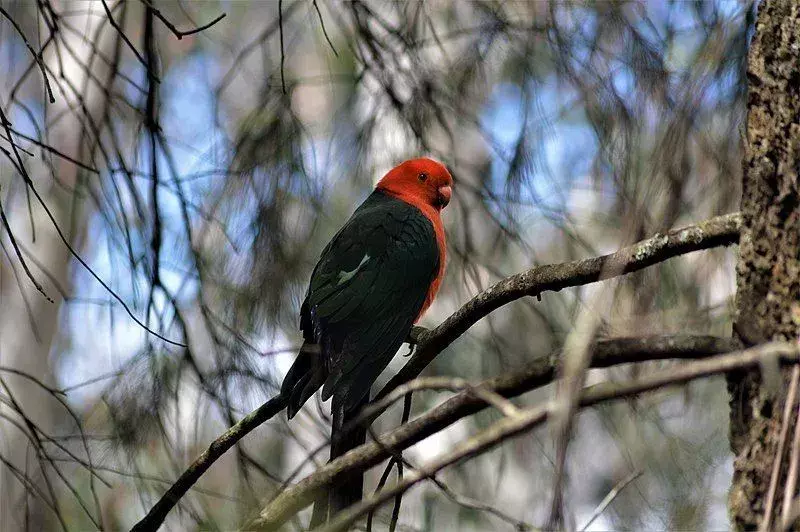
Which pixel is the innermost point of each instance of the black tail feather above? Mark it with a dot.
(349, 489)
(303, 379)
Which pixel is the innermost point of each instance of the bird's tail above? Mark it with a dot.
(304, 378)
(349, 489)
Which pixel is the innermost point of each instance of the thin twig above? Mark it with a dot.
(20, 148)
(93, 380)
(453, 384)
(54, 151)
(794, 459)
(530, 418)
(31, 378)
(126, 40)
(13, 241)
(608, 499)
(778, 460)
(398, 500)
(283, 53)
(180, 34)
(324, 31)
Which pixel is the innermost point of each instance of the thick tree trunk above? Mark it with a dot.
(768, 299)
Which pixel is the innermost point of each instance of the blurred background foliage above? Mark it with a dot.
(199, 178)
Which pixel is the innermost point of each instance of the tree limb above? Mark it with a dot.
(512, 426)
(155, 517)
(718, 231)
(539, 372)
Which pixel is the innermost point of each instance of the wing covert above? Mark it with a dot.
(366, 291)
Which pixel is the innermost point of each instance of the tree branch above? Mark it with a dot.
(529, 418)
(155, 517)
(175, 31)
(718, 231)
(539, 372)
(608, 499)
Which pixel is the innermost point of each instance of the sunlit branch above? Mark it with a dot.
(539, 372)
(722, 230)
(532, 417)
(718, 231)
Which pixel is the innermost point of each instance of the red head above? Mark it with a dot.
(423, 182)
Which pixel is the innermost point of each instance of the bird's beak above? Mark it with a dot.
(444, 194)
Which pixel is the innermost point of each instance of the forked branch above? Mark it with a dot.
(718, 231)
(509, 427)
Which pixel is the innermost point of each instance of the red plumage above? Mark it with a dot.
(374, 280)
(430, 197)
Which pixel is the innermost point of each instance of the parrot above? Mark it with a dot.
(374, 280)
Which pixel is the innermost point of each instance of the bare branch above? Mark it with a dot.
(283, 53)
(178, 33)
(718, 231)
(608, 499)
(530, 418)
(155, 517)
(539, 372)
(324, 31)
(127, 41)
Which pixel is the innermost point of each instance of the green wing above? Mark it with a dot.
(366, 291)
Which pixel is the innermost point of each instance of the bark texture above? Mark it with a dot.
(768, 300)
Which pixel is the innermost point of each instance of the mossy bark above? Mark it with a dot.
(768, 285)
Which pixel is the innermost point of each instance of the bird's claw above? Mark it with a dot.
(415, 336)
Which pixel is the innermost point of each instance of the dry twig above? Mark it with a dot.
(509, 427)
(538, 373)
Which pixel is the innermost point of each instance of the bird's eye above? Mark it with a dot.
(423, 177)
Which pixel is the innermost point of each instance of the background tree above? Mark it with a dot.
(197, 157)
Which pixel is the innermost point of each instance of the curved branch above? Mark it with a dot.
(509, 427)
(718, 231)
(174, 29)
(155, 517)
(539, 372)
